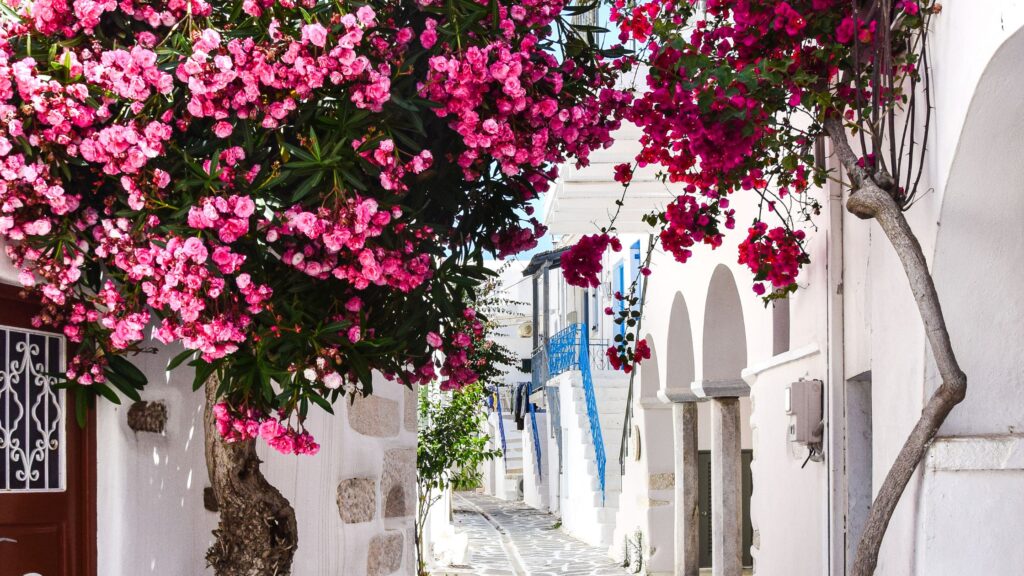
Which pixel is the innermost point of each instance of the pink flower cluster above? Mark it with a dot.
(229, 217)
(340, 242)
(458, 368)
(774, 256)
(247, 424)
(245, 80)
(392, 169)
(488, 92)
(688, 222)
(581, 264)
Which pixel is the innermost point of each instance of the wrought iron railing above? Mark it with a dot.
(501, 428)
(536, 438)
(564, 350)
(568, 350)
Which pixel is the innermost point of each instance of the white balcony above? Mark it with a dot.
(583, 200)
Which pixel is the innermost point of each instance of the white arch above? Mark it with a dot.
(650, 381)
(679, 361)
(979, 256)
(725, 337)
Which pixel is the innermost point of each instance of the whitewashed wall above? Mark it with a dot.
(150, 486)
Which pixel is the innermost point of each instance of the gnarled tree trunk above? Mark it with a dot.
(872, 198)
(257, 535)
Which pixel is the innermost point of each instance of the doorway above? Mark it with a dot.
(47, 462)
(704, 506)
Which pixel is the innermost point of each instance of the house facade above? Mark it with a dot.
(778, 424)
(124, 495)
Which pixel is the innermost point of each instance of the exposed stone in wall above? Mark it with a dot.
(385, 554)
(374, 416)
(662, 481)
(411, 415)
(398, 484)
(147, 417)
(357, 500)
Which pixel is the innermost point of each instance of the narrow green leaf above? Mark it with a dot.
(124, 386)
(128, 370)
(106, 392)
(177, 360)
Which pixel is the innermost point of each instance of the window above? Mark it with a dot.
(620, 288)
(31, 411)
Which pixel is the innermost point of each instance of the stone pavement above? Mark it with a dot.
(512, 539)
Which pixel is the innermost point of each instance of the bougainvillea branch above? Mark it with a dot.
(738, 96)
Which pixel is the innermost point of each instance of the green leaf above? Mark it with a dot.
(177, 360)
(106, 392)
(203, 372)
(307, 187)
(81, 405)
(321, 402)
(128, 370)
(124, 386)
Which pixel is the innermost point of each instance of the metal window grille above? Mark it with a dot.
(31, 411)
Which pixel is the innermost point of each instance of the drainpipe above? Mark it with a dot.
(835, 391)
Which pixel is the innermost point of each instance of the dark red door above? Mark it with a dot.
(47, 480)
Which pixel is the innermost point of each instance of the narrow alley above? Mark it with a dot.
(512, 539)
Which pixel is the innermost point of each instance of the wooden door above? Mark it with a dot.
(47, 462)
(704, 506)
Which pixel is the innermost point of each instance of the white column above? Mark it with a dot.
(687, 544)
(726, 488)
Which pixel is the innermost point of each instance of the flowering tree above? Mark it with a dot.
(737, 96)
(300, 193)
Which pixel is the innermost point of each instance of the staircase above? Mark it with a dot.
(508, 485)
(587, 513)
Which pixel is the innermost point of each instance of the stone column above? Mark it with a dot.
(687, 526)
(726, 474)
(726, 488)
(686, 515)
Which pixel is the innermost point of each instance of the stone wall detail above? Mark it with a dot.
(357, 500)
(374, 416)
(385, 553)
(398, 485)
(147, 417)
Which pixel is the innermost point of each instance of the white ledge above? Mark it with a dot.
(655, 403)
(976, 453)
(751, 373)
(731, 388)
(677, 394)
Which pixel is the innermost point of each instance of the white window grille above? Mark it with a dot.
(32, 411)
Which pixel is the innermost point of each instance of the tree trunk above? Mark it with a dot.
(257, 535)
(871, 200)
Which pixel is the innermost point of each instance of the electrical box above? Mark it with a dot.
(803, 404)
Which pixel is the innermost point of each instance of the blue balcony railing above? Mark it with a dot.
(570, 350)
(536, 438)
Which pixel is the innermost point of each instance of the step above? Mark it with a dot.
(604, 395)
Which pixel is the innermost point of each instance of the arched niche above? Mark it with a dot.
(725, 336)
(650, 381)
(979, 256)
(679, 361)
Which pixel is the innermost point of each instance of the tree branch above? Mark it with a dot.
(868, 200)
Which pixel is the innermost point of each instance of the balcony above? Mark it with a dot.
(583, 200)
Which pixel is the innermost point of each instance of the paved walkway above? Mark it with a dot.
(512, 539)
